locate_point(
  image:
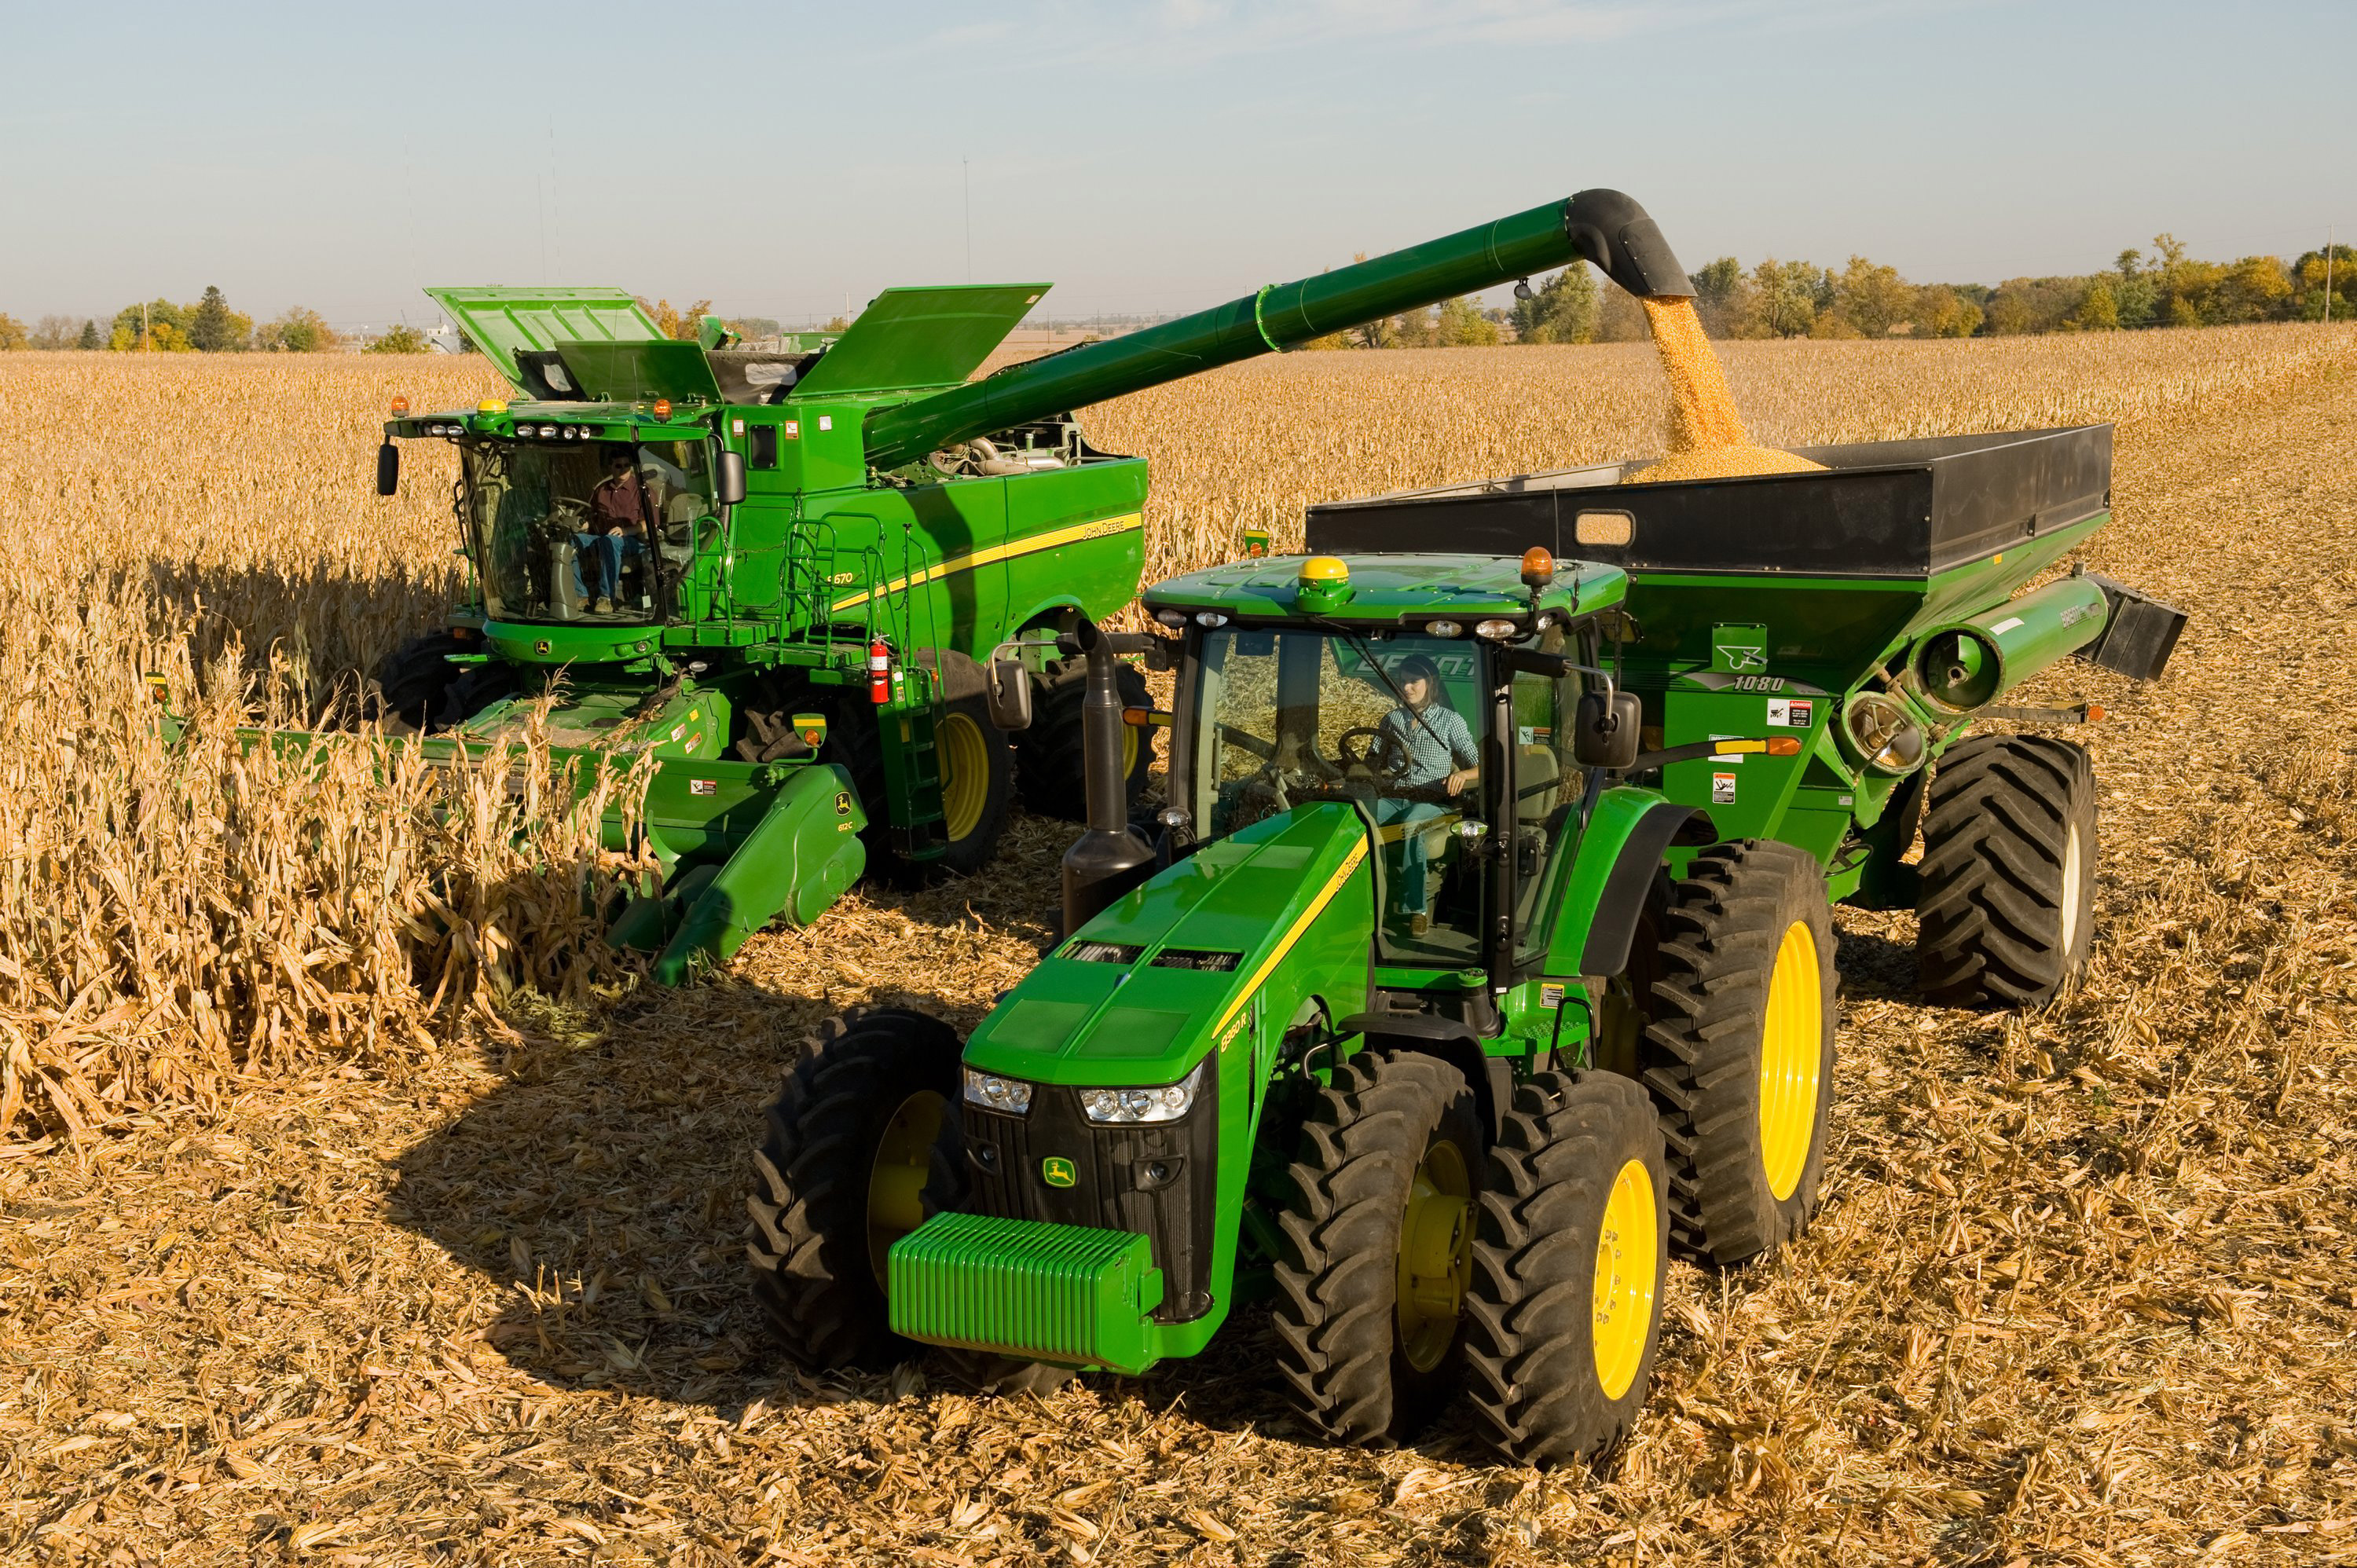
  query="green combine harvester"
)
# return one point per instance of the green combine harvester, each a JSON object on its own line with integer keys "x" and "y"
{"x": 1484, "y": 951}
{"x": 781, "y": 572}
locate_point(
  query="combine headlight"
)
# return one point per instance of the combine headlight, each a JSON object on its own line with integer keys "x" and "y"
{"x": 1011, "y": 1095}
{"x": 1496, "y": 630}
{"x": 1211, "y": 620}
{"x": 1443, "y": 629}
{"x": 1171, "y": 617}
{"x": 548, "y": 432}
{"x": 1167, "y": 1103}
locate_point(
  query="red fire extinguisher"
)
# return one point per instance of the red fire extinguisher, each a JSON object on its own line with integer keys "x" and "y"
{"x": 879, "y": 673}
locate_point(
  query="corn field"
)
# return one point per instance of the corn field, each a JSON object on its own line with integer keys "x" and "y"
{"x": 356, "y": 1206}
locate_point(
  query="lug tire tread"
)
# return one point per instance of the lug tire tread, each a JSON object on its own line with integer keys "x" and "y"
{"x": 1996, "y": 829}
{"x": 1529, "y": 1350}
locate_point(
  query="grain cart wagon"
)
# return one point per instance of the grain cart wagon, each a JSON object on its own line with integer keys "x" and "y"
{"x": 1460, "y": 984}
{"x": 825, "y": 542}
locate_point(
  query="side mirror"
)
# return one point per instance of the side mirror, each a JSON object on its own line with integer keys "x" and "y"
{"x": 1007, "y": 692}
{"x": 388, "y": 469}
{"x": 1608, "y": 734}
{"x": 732, "y": 479}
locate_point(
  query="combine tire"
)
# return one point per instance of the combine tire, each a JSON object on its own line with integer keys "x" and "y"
{"x": 862, "y": 1147}
{"x": 1565, "y": 1308}
{"x": 414, "y": 680}
{"x": 1738, "y": 1046}
{"x": 976, "y": 780}
{"x": 2007, "y": 911}
{"x": 1377, "y": 1247}
{"x": 477, "y": 688}
{"x": 1051, "y": 770}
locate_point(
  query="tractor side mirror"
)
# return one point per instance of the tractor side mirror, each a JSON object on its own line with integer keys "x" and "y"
{"x": 1007, "y": 692}
{"x": 732, "y": 479}
{"x": 388, "y": 469}
{"x": 1606, "y": 733}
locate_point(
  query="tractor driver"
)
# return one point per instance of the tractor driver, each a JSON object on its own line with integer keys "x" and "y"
{"x": 1438, "y": 745}
{"x": 618, "y": 517}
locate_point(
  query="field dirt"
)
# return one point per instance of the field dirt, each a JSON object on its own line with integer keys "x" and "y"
{"x": 2084, "y": 1288}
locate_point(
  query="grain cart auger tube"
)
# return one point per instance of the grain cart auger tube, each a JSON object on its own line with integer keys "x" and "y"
{"x": 780, "y": 566}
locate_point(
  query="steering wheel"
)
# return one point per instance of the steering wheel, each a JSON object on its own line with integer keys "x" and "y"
{"x": 1385, "y": 756}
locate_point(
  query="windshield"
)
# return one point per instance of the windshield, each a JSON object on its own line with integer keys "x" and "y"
{"x": 585, "y": 532}
{"x": 1391, "y": 725}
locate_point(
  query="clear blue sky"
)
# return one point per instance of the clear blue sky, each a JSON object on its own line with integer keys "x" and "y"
{"x": 778, "y": 157}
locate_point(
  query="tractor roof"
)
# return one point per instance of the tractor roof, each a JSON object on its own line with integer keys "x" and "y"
{"x": 1390, "y": 588}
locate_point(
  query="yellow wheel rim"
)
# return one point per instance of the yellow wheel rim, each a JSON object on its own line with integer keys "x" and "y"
{"x": 1129, "y": 745}
{"x": 1621, "y": 1313}
{"x": 896, "y": 1183}
{"x": 1435, "y": 1255}
{"x": 965, "y": 774}
{"x": 1791, "y": 1060}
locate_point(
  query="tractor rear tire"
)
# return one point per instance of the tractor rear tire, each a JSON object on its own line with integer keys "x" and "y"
{"x": 1568, "y": 1267}
{"x": 862, "y": 1147}
{"x": 2006, "y": 915}
{"x": 1738, "y": 1046}
{"x": 412, "y": 682}
{"x": 1384, "y": 1189}
{"x": 1051, "y": 758}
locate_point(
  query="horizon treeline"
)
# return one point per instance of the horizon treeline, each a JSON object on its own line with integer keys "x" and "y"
{"x": 208, "y": 327}
{"x": 2164, "y": 287}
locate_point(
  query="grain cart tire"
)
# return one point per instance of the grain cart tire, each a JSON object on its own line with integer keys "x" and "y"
{"x": 862, "y": 1147}
{"x": 1051, "y": 766}
{"x": 1377, "y": 1247}
{"x": 1738, "y": 1046}
{"x": 2007, "y": 911}
{"x": 1565, "y": 1308}
{"x": 411, "y": 682}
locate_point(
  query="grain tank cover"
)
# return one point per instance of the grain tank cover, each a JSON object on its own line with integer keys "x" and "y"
{"x": 640, "y": 372}
{"x": 501, "y": 321}
{"x": 921, "y": 338}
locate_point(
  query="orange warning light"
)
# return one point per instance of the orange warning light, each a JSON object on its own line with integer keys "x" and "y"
{"x": 663, "y": 408}
{"x": 1538, "y": 567}
{"x": 401, "y": 405}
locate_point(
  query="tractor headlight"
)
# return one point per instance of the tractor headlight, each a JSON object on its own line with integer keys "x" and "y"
{"x": 1496, "y": 630}
{"x": 1167, "y": 1103}
{"x": 988, "y": 1090}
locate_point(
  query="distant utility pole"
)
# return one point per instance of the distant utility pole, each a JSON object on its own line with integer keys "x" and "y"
{"x": 2328, "y": 275}
{"x": 147, "y": 342}
{"x": 966, "y": 167}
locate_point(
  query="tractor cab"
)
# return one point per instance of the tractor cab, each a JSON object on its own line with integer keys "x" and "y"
{"x": 1437, "y": 696}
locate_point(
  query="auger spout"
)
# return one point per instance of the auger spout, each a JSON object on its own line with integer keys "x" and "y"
{"x": 1600, "y": 226}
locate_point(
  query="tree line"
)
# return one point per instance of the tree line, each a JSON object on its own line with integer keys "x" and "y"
{"x": 208, "y": 327}
{"x": 1864, "y": 299}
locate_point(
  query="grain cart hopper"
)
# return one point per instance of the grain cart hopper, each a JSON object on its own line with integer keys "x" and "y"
{"x": 1461, "y": 983}
{"x": 827, "y": 541}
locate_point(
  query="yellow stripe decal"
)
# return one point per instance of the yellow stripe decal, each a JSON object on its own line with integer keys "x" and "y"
{"x": 967, "y": 562}
{"x": 1316, "y": 908}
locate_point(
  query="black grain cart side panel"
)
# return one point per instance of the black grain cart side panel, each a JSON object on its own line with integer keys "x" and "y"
{"x": 1883, "y": 508}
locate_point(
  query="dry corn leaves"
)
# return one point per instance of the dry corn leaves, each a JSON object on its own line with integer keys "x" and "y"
{"x": 2081, "y": 1291}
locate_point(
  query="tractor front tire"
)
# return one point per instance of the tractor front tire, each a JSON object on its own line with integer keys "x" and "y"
{"x": 1051, "y": 758}
{"x": 2006, "y": 913}
{"x": 1738, "y": 1046}
{"x": 1565, "y": 1310}
{"x": 1377, "y": 1247}
{"x": 862, "y": 1147}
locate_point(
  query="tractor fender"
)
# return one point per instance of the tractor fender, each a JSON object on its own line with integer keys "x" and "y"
{"x": 956, "y": 676}
{"x": 1491, "y": 1077}
{"x": 1604, "y": 893}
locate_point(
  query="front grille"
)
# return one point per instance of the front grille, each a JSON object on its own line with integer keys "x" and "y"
{"x": 1160, "y": 1181}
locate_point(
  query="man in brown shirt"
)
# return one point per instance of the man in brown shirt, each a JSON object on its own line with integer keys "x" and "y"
{"x": 618, "y": 509}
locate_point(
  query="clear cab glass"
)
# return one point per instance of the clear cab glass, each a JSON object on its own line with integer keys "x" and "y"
{"x": 586, "y": 530}
{"x": 1394, "y": 726}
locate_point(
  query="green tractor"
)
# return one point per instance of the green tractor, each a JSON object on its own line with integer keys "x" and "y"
{"x": 1484, "y": 952}
{"x": 779, "y": 570}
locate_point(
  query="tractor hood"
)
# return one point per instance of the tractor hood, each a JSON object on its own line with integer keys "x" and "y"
{"x": 1139, "y": 994}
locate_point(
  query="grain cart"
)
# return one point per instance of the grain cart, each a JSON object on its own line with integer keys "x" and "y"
{"x": 1485, "y": 951}
{"x": 830, "y": 537}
